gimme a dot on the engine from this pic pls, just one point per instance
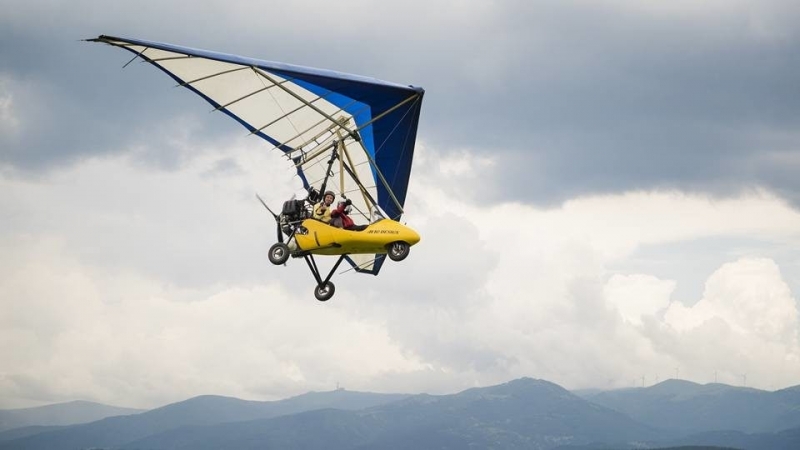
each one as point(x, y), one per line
point(293, 211)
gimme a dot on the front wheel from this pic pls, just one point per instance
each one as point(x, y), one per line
point(278, 253)
point(323, 292)
point(398, 250)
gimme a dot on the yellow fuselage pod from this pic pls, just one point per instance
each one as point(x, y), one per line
point(324, 239)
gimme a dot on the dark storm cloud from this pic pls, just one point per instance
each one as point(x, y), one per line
point(570, 98)
point(624, 102)
point(71, 99)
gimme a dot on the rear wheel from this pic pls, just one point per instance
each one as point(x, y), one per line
point(278, 253)
point(398, 250)
point(323, 292)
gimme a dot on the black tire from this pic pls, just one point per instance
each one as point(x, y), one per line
point(325, 291)
point(278, 253)
point(398, 250)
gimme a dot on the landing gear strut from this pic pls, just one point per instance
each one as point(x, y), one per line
point(325, 288)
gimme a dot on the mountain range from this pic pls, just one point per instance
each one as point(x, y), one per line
point(520, 414)
point(60, 414)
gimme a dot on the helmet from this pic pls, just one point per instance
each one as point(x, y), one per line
point(329, 193)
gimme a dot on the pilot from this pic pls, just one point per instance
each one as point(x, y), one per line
point(339, 217)
point(322, 210)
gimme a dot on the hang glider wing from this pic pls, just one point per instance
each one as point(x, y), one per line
point(306, 113)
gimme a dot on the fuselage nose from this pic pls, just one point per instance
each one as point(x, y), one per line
point(410, 236)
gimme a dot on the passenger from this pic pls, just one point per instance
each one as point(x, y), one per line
point(342, 220)
point(322, 210)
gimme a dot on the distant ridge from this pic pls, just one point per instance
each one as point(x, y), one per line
point(200, 411)
point(691, 407)
point(60, 414)
point(19, 433)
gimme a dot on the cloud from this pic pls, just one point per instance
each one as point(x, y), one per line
point(549, 299)
point(593, 90)
point(567, 99)
point(567, 153)
point(745, 325)
point(120, 338)
point(636, 296)
point(8, 119)
point(749, 296)
point(145, 285)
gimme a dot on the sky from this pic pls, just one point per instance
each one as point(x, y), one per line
point(606, 193)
